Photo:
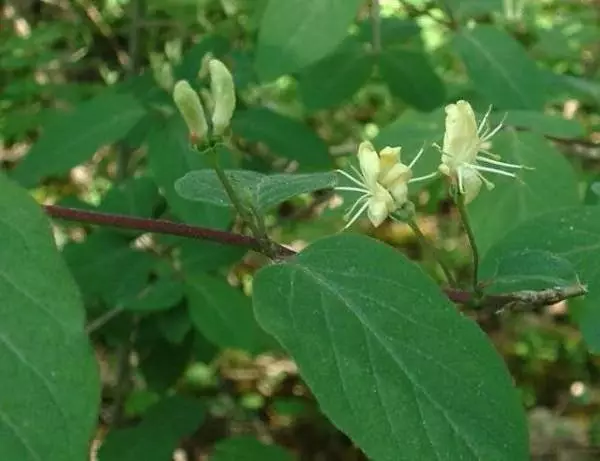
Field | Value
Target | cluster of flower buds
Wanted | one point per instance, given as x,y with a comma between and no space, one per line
383,179
222,102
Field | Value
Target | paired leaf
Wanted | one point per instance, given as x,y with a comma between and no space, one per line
500,69
159,433
572,234
551,184
51,388
72,138
390,360
297,33
259,190
284,136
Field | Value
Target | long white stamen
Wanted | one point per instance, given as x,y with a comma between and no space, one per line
493,170
504,164
350,177
424,178
353,189
484,120
355,205
487,136
489,154
488,184
356,172
417,157
461,189
357,215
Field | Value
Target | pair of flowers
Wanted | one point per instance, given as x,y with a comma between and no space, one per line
383,179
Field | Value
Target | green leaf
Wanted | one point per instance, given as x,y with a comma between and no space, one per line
192,60
159,433
246,448
97,265
133,197
531,270
72,138
223,314
203,256
262,191
162,362
337,77
552,184
411,77
163,294
393,30
550,125
296,33
573,234
500,69
386,354
170,157
51,388
284,136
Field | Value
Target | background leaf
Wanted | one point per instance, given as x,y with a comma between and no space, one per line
552,184
573,234
500,69
538,122
48,409
284,136
337,77
411,77
387,355
246,448
296,33
157,436
72,138
223,314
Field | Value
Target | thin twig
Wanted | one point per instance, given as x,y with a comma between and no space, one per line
160,226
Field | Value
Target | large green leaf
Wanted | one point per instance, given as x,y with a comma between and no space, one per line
573,234
72,138
500,69
284,136
157,436
223,314
551,125
296,33
390,360
261,191
467,8
246,448
337,77
412,78
171,156
550,185
51,388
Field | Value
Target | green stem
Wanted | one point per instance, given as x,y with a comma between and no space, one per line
253,219
464,216
425,242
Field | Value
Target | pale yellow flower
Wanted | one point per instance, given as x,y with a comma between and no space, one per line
383,182
466,147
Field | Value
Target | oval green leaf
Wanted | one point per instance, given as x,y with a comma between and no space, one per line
296,33
51,388
551,184
573,234
390,360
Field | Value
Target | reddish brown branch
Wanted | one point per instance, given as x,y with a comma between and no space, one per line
159,226
496,301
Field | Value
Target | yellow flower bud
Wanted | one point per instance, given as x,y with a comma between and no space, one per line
223,92
190,107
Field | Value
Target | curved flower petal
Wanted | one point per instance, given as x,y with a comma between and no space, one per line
369,163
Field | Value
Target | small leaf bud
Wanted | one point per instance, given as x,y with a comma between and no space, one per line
223,93
190,107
